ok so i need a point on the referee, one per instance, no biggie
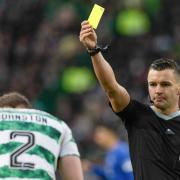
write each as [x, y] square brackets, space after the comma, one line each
[153, 131]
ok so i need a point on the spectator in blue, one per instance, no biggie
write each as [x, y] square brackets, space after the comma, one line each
[117, 163]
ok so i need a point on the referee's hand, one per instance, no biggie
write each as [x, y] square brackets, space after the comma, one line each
[87, 35]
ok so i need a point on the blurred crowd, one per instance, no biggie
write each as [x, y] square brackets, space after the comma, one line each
[39, 45]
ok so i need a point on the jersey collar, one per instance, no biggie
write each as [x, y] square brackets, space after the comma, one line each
[166, 117]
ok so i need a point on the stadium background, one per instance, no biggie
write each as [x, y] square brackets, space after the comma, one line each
[41, 56]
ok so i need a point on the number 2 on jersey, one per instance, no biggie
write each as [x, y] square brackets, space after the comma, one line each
[22, 149]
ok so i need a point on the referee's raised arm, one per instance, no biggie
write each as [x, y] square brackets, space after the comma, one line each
[118, 96]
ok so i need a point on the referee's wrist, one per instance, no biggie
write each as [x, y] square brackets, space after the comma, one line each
[96, 50]
[93, 51]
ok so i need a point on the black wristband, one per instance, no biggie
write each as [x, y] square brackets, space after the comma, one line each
[96, 50]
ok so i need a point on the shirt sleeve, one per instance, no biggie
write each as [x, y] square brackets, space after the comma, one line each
[68, 144]
[130, 113]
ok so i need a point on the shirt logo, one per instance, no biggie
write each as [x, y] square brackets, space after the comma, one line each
[169, 131]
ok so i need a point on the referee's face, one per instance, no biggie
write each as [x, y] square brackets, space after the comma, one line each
[163, 89]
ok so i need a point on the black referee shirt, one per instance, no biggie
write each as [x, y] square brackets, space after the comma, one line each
[154, 141]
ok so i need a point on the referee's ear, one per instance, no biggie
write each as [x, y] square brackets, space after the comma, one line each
[178, 93]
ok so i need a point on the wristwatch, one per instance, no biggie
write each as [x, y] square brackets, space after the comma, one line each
[96, 50]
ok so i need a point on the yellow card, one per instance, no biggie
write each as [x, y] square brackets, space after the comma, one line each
[95, 15]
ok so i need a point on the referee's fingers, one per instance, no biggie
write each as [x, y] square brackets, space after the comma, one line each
[84, 35]
[86, 30]
[84, 22]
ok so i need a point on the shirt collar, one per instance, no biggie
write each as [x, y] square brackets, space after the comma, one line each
[166, 117]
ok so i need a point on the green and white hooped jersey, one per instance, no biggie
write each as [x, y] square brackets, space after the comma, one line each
[31, 141]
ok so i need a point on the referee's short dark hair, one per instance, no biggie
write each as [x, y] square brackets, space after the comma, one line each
[165, 63]
[14, 99]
